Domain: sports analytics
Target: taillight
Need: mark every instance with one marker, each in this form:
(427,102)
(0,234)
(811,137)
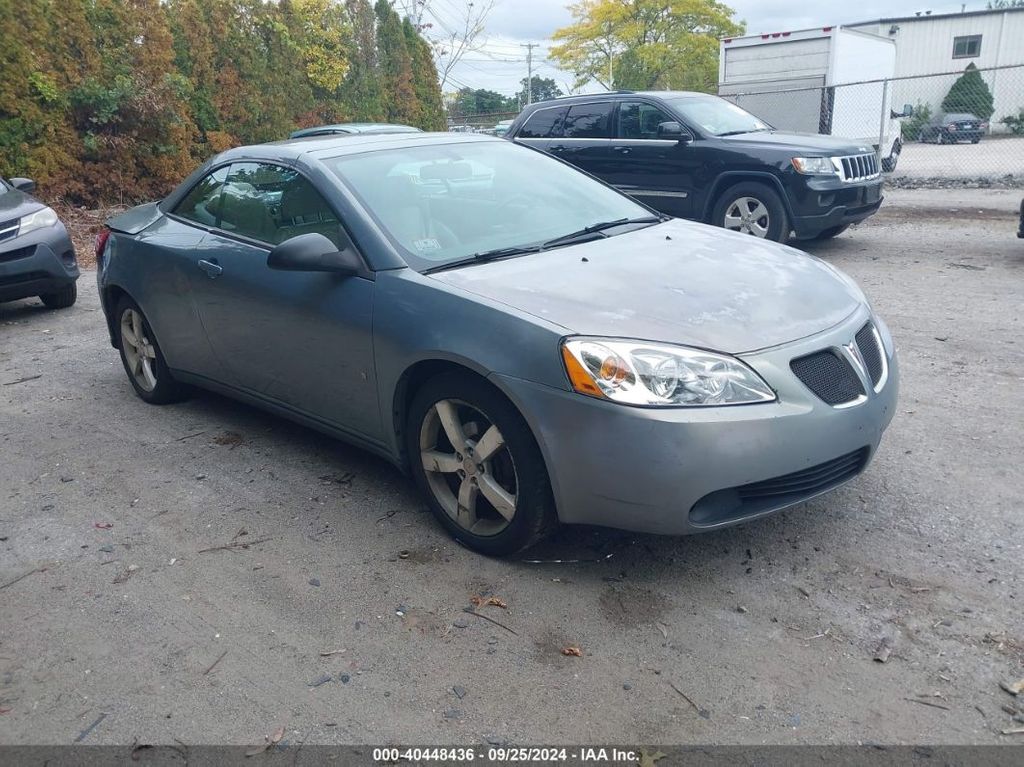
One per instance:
(101,244)
(951,127)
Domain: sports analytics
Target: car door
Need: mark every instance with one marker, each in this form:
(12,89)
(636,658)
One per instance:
(299,339)
(657,171)
(169,246)
(586,132)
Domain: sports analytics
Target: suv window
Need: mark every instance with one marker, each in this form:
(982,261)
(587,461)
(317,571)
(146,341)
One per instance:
(543,123)
(639,120)
(271,203)
(588,120)
(200,204)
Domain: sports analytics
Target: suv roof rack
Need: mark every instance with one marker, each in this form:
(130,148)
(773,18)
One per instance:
(579,96)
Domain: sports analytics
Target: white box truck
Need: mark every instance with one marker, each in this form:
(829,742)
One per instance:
(829,80)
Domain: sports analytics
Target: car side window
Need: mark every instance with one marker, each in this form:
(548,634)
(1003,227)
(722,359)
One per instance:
(201,203)
(543,123)
(271,203)
(639,120)
(588,120)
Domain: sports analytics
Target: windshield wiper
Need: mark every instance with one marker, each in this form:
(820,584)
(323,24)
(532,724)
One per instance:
(740,132)
(486,255)
(585,232)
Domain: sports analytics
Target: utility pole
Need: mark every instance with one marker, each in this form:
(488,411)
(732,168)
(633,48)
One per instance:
(529,69)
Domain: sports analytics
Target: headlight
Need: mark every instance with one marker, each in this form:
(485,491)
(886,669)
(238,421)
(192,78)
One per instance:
(816,166)
(638,373)
(38,220)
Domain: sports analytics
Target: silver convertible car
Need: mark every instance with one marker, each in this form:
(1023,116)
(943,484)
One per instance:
(532,345)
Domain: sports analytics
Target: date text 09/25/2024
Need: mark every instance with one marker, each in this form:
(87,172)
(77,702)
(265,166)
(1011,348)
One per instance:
(502,754)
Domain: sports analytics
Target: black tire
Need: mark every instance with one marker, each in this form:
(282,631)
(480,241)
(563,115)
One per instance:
(62,298)
(943,138)
(166,389)
(889,163)
(975,140)
(778,222)
(534,517)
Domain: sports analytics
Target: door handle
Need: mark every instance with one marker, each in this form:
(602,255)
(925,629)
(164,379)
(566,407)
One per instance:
(621,149)
(212,268)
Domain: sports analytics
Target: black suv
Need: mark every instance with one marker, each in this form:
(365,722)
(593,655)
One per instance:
(698,156)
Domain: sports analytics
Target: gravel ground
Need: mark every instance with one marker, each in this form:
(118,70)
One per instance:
(764,633)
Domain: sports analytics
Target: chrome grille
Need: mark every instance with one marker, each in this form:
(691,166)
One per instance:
(867,343)
(9,229)
(829,376)
(859,167)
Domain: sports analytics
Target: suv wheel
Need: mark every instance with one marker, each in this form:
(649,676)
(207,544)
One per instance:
(754,209)
(60,299)
(476,460)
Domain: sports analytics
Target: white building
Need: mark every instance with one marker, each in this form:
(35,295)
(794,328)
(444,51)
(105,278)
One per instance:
(929,44)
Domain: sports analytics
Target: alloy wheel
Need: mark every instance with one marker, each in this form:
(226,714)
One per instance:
(468,467)
(139,351)
(747,215)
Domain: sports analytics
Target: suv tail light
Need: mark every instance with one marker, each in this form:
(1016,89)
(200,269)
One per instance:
(101,244)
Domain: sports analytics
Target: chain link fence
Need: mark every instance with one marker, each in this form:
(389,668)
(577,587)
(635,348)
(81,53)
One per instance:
(483,122)
(949,128)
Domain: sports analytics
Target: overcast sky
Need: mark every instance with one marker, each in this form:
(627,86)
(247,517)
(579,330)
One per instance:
(501,64)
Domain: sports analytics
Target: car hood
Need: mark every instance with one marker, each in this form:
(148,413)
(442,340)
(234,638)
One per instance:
(677,282)
(15,204)
(799,142)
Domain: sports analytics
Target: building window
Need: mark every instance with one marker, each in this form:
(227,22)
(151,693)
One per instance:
(967,47)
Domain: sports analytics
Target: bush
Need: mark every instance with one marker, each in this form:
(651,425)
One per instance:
(911,127)
(970,94)
(1015,122)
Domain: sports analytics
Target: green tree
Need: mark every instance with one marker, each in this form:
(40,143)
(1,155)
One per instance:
(362,88)
(543,88)
(970,94)
(400,104)
(424,80)
(645,44)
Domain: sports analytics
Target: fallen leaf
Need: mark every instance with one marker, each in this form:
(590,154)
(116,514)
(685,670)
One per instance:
(103,525)
(648,760)
(332,652)
(1014,688)
(491,601)
(273,740)
(572,650)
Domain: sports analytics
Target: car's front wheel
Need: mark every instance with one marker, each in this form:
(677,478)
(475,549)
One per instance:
(476,460)
(143,361)
(61,299)
(753,209)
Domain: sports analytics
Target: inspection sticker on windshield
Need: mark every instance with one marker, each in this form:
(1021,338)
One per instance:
(427,245)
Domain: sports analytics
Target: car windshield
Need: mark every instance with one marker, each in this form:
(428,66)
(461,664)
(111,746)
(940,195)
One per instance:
(716,116)
(442,203)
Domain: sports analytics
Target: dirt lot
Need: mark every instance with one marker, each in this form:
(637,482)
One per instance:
(992,158)
(122,616)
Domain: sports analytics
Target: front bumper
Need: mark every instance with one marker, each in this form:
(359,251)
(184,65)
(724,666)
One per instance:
(40,262)
(824,202)
(656,470)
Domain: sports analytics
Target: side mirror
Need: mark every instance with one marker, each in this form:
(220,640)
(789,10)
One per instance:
(673,130)
(313,253)
(908,111)
(26,185)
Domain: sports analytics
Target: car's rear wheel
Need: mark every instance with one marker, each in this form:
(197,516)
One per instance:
(753,209)
(476,460)
(143,361)
(62,298)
